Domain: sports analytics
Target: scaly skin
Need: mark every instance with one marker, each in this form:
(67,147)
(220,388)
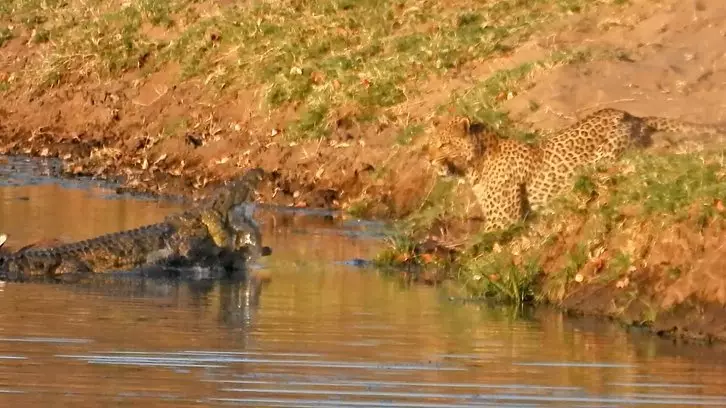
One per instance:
(213,234)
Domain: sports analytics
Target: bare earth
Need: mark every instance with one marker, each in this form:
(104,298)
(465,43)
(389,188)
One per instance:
(670,61)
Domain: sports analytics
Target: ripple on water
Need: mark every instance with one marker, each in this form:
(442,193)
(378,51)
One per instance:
(320,333)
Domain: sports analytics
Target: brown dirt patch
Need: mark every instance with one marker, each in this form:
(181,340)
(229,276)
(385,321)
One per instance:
(670,66)
(173,139)
(663,287)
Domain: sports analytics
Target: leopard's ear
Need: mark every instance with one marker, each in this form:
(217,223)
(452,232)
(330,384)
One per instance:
(465,124)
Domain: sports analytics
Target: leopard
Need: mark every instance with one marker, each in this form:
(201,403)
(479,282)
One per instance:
(512,178)
(497,169)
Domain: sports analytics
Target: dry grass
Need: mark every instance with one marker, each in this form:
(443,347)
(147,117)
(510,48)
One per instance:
(316,56)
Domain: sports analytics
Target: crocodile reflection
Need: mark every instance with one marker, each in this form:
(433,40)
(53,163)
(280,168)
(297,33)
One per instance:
(233,301)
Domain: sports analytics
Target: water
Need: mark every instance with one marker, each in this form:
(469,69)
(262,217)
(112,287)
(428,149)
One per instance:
(318,333)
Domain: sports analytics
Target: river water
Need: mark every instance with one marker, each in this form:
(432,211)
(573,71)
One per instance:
(316,333)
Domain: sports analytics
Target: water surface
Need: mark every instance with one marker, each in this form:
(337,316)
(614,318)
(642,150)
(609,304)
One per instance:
(318,334)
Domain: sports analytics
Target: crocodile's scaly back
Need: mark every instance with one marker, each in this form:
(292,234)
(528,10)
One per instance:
(118,250)
(206,233)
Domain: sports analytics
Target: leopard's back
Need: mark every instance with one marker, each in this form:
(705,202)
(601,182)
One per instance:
(602,135)
(506,173)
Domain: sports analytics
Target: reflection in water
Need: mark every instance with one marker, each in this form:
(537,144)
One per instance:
(33,213)
(317,333)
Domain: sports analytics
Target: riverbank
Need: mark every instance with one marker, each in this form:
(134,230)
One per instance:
(640,242)
(336,99)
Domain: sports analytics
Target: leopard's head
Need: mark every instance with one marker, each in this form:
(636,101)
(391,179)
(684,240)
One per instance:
(452,148)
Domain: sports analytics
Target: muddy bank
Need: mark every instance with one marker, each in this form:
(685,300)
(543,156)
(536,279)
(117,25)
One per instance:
(174,104)
(640,241)
(667,294)
(367,181)
(670,279)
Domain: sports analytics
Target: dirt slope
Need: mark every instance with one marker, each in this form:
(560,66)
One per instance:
(172,135)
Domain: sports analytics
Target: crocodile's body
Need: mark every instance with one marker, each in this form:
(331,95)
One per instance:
(215,234)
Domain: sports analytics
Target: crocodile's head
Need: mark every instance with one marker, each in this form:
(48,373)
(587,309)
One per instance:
(247,231)
(237,191)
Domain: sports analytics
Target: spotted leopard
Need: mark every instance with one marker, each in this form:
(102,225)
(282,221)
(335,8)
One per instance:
(510,178)
(497,169)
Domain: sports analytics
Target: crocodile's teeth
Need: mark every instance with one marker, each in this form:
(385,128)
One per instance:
(3,238)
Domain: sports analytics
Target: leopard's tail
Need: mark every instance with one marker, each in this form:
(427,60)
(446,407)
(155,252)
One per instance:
(682,134)
(684,128)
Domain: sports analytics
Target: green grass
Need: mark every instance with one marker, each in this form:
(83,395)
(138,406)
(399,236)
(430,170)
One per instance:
(660,184)
(316,55)
(497,277)
(667,188)
(409,133)
(6,34)
(439,204)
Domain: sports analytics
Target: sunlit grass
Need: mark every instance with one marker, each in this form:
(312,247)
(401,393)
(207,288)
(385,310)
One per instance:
(318,56)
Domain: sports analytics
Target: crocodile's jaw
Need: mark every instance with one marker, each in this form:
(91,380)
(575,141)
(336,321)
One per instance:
(247,231)
(3,238)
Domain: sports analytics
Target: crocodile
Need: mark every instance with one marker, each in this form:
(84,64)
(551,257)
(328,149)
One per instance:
(219,233)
